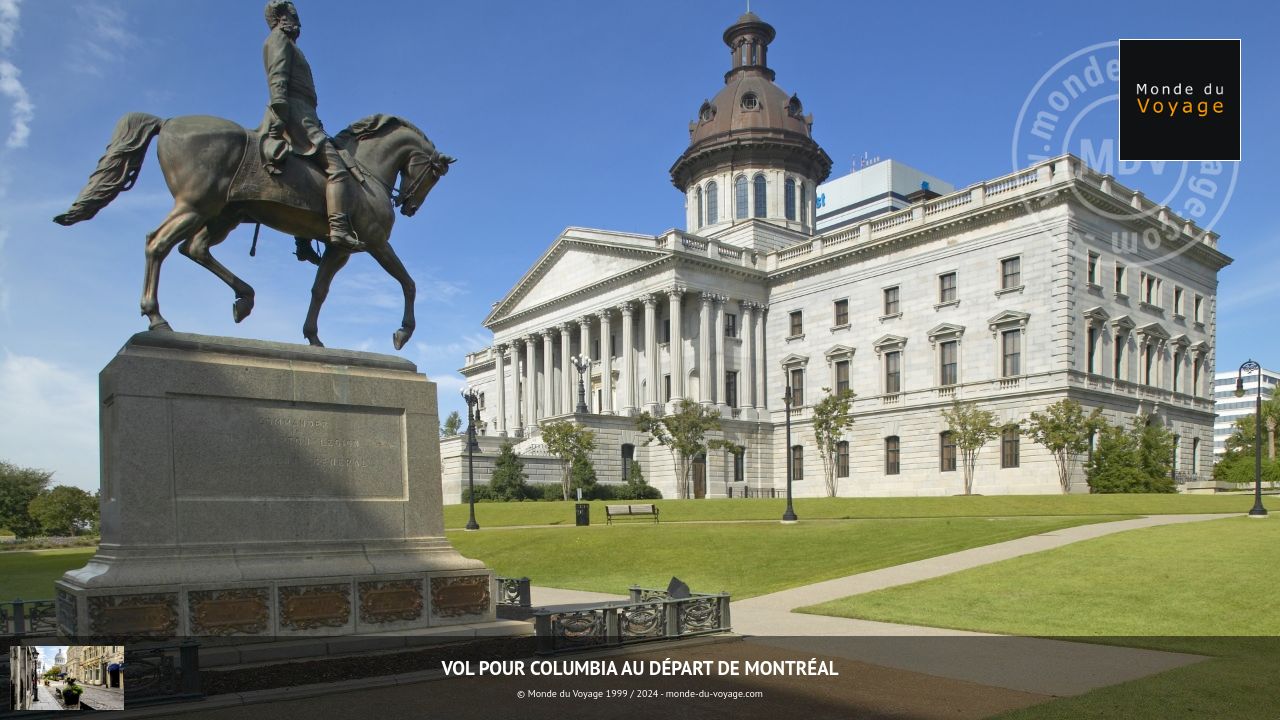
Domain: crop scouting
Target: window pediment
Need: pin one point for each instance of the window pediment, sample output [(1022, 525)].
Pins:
[(1096, 315), (887, 343), (1122, 324), (1008, 320), (1153, 331), (794, 360), (839, 352), (945, 331), (1180, 341)]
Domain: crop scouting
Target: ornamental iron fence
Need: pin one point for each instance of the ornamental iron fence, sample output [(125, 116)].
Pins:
[(651, 614)]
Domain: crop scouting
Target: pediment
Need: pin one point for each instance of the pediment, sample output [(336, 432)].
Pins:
[(1154, 330), (794, 359), (569, 265), (838, 351), (1180, 340), (1009, 317), (1123, 322), (1097, 313), (888, 341), (946, 329)]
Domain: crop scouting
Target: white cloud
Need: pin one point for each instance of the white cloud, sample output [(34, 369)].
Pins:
[(9, 14), (105, 40), (49, 419), (22, 111)]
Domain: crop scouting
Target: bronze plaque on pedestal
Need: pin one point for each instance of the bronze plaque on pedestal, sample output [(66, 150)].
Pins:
[(458, 596), (154, 614), (390, 600), (226, 612), (304, 607)]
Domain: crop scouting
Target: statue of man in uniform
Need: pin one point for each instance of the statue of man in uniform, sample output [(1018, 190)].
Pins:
[(292, 117)]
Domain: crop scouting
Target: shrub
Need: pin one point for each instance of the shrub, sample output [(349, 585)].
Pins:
[(1137, 460), (508, 480)]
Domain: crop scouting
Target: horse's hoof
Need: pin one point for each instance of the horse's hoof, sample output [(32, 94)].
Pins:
[(315, 342), (241, 308), (400, 337)]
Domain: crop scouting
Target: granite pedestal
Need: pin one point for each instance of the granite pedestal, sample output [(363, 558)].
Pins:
[(260, 489)]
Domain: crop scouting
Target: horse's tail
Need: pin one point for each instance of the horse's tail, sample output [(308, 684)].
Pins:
[(117, 169)]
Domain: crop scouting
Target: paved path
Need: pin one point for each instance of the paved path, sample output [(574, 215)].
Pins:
[(1033, 665)]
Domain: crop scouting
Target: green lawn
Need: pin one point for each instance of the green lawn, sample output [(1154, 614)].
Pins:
[(1203, 588), (30, 574), (561, 513), (746, 559)]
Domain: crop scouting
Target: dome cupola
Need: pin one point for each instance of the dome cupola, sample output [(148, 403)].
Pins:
[(751, 152)]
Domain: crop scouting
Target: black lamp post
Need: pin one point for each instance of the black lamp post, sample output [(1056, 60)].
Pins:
[(790, 515), (582, 364), (1249, 365), (472, 399)]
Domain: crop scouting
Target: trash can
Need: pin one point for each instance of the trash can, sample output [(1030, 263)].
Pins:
[(582, 514)]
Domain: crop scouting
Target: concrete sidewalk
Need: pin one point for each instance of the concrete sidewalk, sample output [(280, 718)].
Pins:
[(1032, 665)]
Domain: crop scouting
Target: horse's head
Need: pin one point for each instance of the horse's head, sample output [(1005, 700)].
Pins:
[(420, 173)]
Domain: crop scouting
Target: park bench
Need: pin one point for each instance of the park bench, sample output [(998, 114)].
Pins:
[(612, 511)]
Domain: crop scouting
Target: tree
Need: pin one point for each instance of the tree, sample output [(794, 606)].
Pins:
[(970, 428), (569, 442), (18, 487), (583, 476), (831, 418), (1133, 460), (452, 425), (64, 510), (1064, 430), (508, 479), (684, 434)]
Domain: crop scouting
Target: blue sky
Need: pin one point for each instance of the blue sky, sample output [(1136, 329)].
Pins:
[(561, 113)]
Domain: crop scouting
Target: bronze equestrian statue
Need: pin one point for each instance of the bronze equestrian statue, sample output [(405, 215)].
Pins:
[(221, 175)]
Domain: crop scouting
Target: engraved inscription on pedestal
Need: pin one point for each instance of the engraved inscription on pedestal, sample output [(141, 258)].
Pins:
[(255, 450), (149, 614), (390, 601), (228, 612), (304, 607), (66, 611), (458, 596)]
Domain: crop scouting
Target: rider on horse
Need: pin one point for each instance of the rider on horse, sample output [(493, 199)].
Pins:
[(292, 119)]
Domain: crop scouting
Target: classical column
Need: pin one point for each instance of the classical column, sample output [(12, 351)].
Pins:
[(500, 369), (747, 361), (704, 350), (721, 400), (676, 346), (651, 352), (762, 389), (566, 374), (628, 360), (530, 384), (548, 388), (606, 361), (584, 349)]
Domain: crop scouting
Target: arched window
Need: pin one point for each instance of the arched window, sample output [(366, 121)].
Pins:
[(713, 203), (740, 198), (761, 206), (842, 459), (789, 198), (628, 456), (892, 456), (804, 204), (697, 193)]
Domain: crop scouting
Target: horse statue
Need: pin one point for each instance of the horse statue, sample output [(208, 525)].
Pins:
[(215, 173)]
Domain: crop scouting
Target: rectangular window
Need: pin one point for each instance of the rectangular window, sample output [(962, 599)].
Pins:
[(666, 330), (595, 349), (892, 372), (891, 455), (730, 325), (797, 462), (1093, 268), (1120, 280), (1118, 365), (1177, 371), (947, 287), (797, 323), (1148, 363), (947, 452), (891, 301), (1010, 273), (842, 313), (1149, 294), (1177, 301), (739, 466), (666, 388), (1196, 309), (1091, 351), (1009, 448), (842, 459), (948, 354), (1195, 376), (1011, 351), (797, 387), (842, 375), (731, 388)]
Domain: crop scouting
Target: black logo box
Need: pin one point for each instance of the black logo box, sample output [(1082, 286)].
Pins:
[(1186, 68)]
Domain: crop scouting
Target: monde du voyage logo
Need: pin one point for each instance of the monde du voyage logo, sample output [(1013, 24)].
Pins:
[(1180, 100)]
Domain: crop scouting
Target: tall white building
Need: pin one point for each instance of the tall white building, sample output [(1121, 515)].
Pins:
[(1229, 408), (908, 291)]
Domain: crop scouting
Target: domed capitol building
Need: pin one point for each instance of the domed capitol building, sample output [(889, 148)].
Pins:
[(887, 281)]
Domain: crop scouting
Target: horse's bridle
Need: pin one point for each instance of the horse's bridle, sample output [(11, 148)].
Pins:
[(404, 194)]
